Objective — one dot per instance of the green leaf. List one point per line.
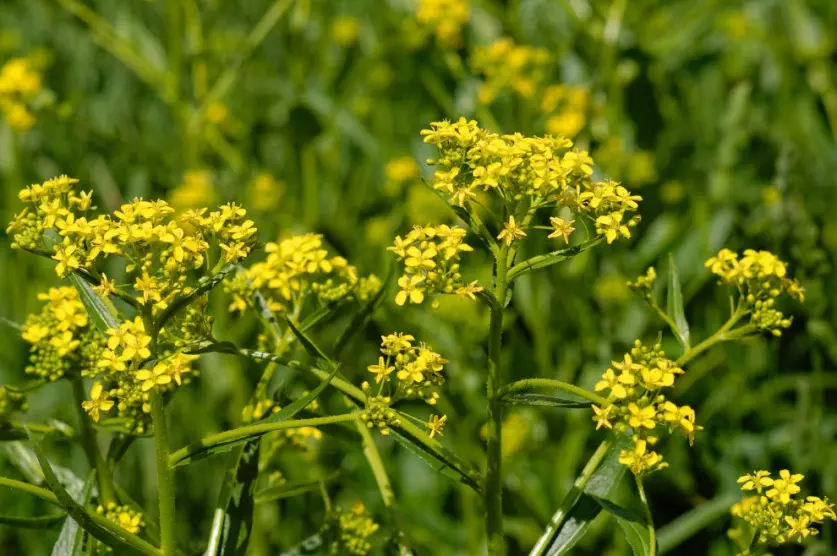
(674, 304)
(315, 544)
(205, 285)
(310, 347)
(544, 400)
(288, 490)
(361, 318)
(477, 226)
(98, 526)
(442, 461)
(632, 523)
(238, 515)
(103, 317)
(198, 450)
(580, 507)
(71, 539)
(549, 259)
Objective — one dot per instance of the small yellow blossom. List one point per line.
(511, 232)
(98, 402)
(436, 424)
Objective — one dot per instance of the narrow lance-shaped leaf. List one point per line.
(310, 347)
(549, 259)
(674, 304)
(633, 524)
(362, 316)
(543, 400)
(289, 490)
(40, 522)
(100, 527)
(71, 539)
(205, 285)
(441, 460)
(99, 312)
(580, 508)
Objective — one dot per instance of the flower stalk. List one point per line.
(493, 489)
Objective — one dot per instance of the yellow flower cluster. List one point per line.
(11, 402)
(566, 107)
(644, 285)
(542, 171)
(445, 19)
(349, 531)
(776, 514)
(123, 363)
(510, 67)
(760, 277)
(124, 516)
(405, 371)
(431, 263)
(297, 268)
(61, 340)
(160, 250)
(635, 403)
(20, 83)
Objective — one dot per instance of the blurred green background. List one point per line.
(721, 114)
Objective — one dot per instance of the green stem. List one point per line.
(104, 478)
(41, 493)
(569, 501)
(529, 383)
(720, 335)
(244, 433)
(650, 520)
(165, 485)
(493, 489)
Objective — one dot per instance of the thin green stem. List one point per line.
(569, 501)
(41, 493)
(165, 484)
(248, 431)
(91, 446)
(720, 335)
(529, 383)
(648, 517)
(493, 488)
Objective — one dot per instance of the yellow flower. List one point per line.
(381, 370)
(410, 290)
(158, 376)
(602, 416)
(511, 231)
(642, 416)
(436, 425)
(561, 228)
(757, 481)
(785, 486)
(98, 402)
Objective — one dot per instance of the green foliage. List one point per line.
(722, 116)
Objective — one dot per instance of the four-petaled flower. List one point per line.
(98, 402)
(436, 425)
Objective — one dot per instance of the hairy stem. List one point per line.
(243, 433)
(104, 478)
(493, 489)
(165, 484)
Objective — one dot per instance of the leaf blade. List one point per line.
(102, 316)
